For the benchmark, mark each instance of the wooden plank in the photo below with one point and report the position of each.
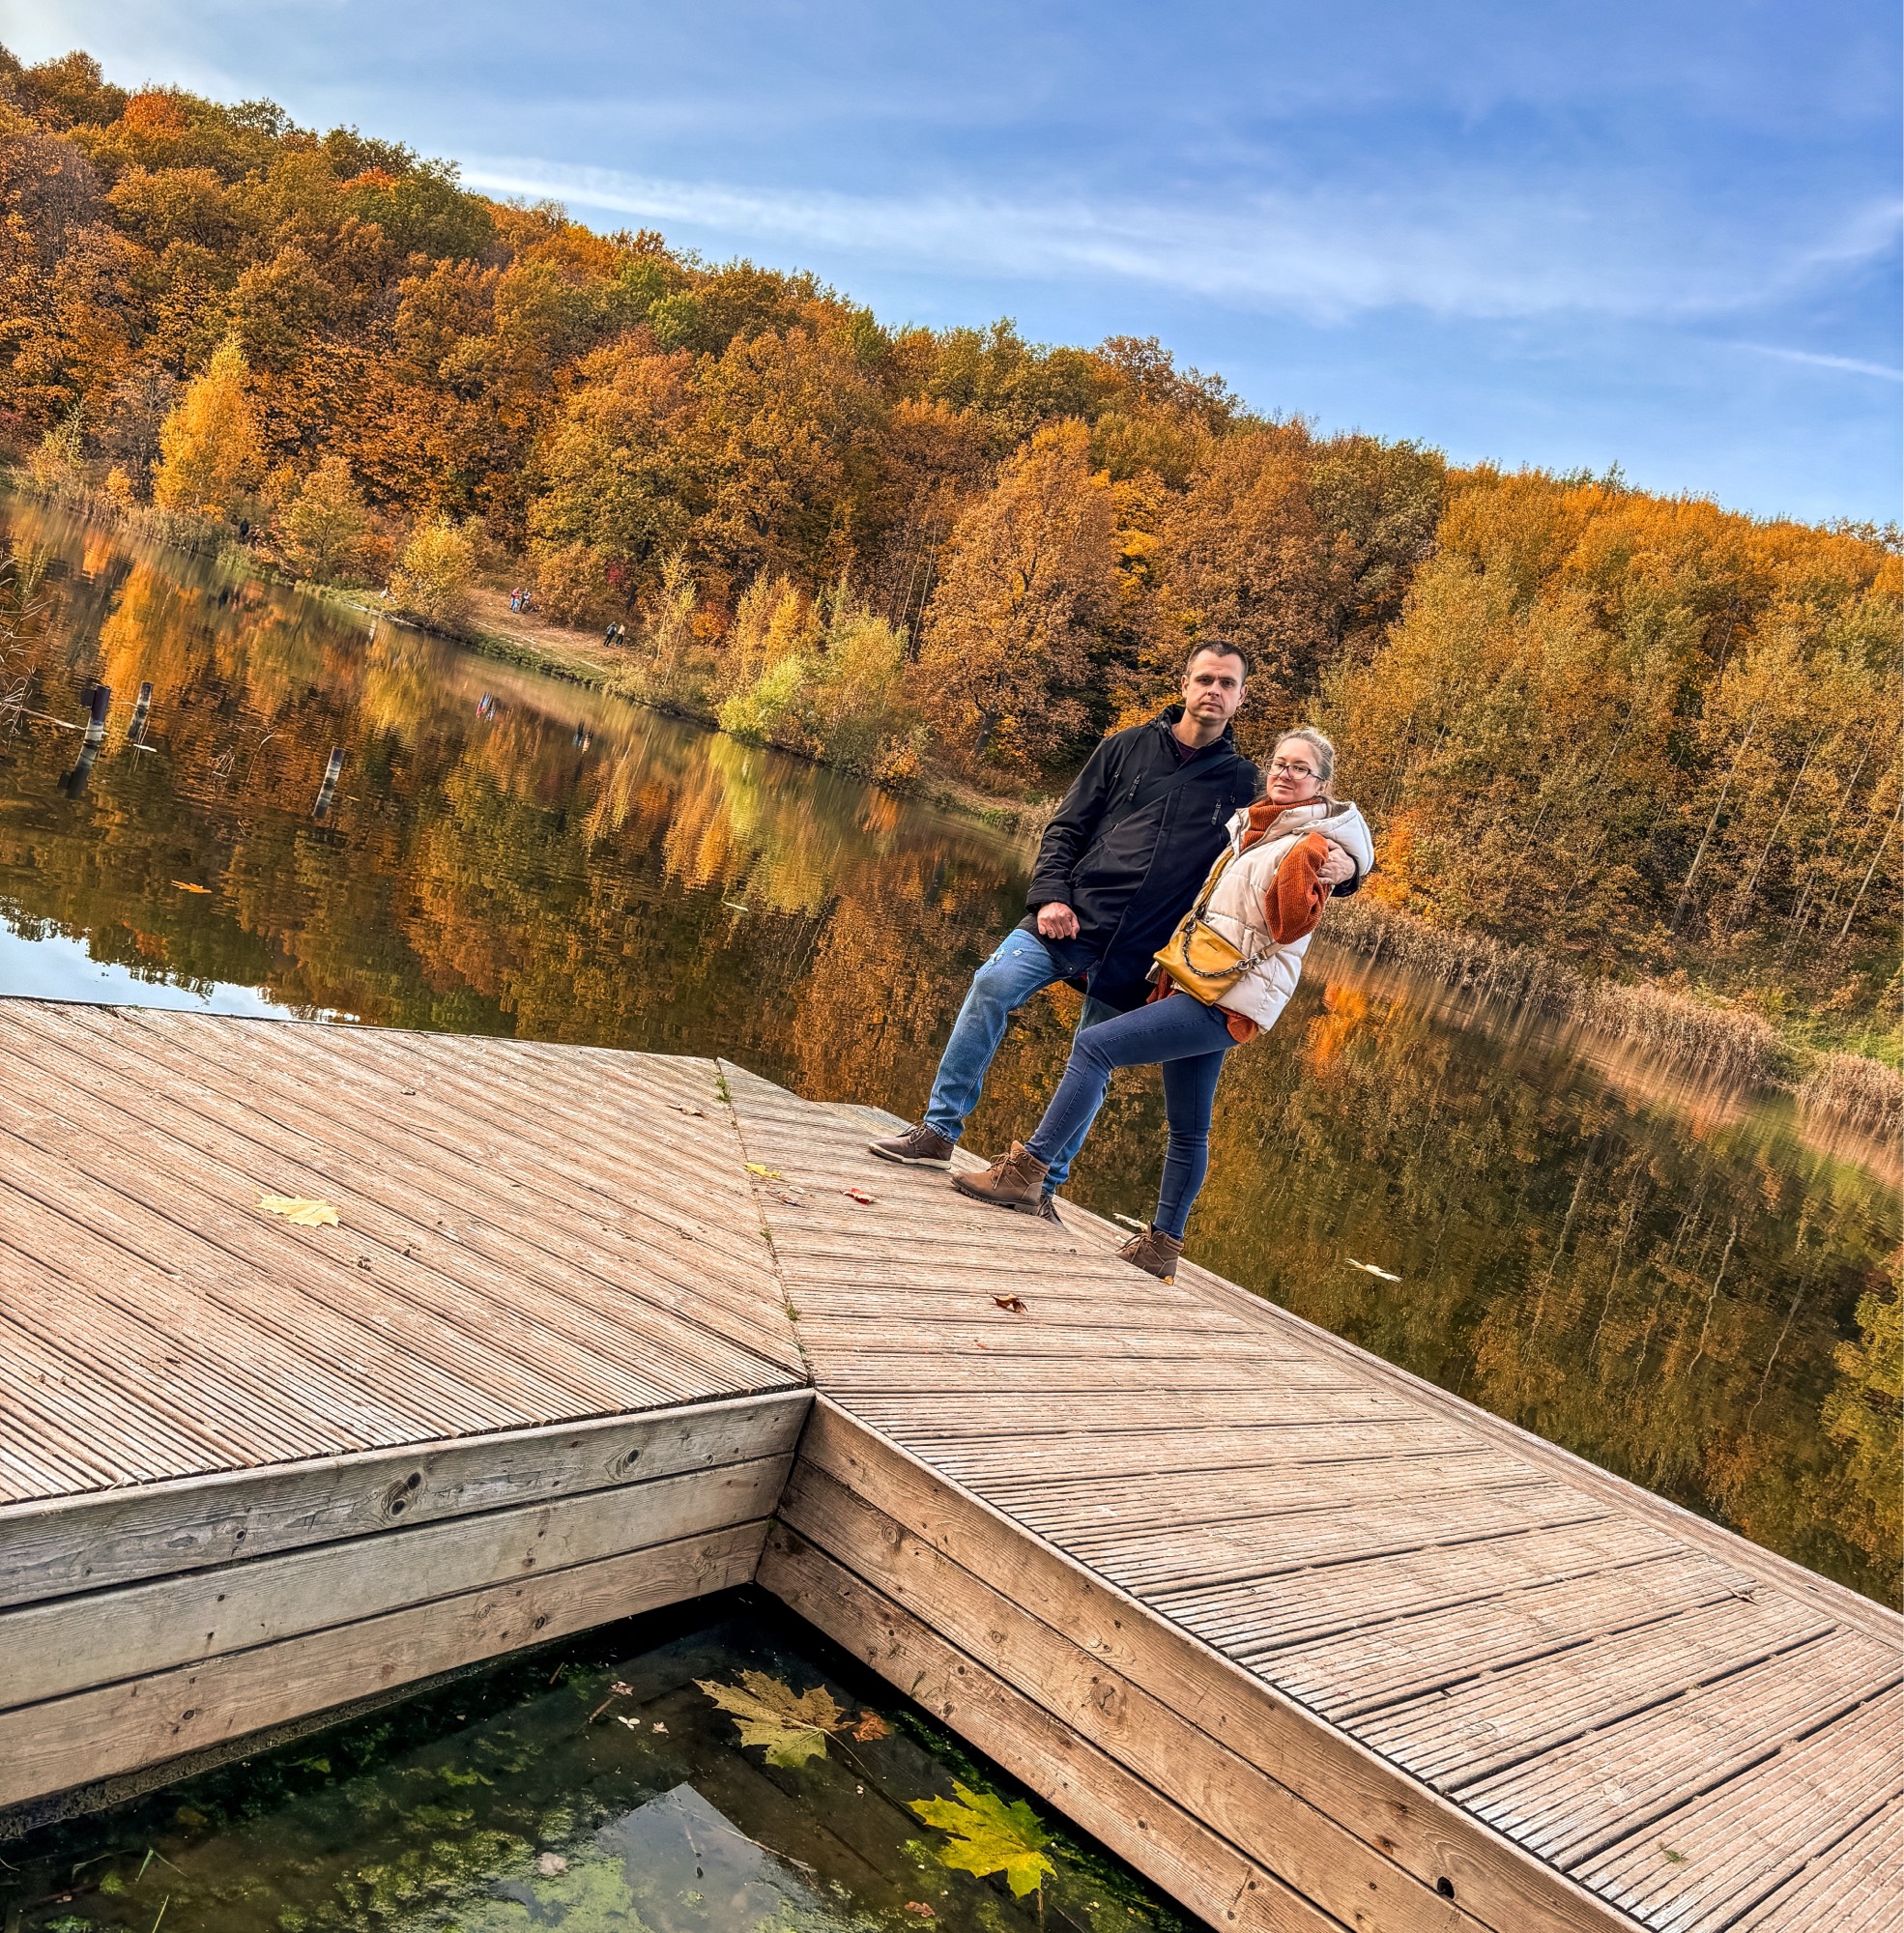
(298, 1089)
(1354, 1675)
(1710, 1858)
(1854, 1886)
(351, 1157)
(136, 1630)
(1557, 1803)
(1385, 1808)
(487, 1163)
(1470, 1724)
(1200, 1553)
(994, 1463)
(443, 1288)
(1033, 1415)
(1254, 1618)
(92, 1735)
(1145, 1827)
(1255, 1812)
(1839, 1600)
(119, 1537)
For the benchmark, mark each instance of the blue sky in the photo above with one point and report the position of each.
(1664, 236)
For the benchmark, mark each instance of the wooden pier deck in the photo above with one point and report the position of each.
(1313, 1644)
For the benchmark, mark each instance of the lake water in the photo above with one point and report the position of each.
(1652, 1271)
(596, 1788)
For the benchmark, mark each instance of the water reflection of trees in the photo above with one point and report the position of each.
(1656, 1283)
(607, 875)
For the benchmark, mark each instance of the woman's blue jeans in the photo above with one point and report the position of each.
(1189, 1041)
(1020, 967)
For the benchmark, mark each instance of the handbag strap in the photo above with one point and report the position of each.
(1216, 872)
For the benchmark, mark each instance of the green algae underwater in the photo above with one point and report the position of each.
(592, 1787)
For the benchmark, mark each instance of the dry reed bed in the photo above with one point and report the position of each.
(1722, 1044)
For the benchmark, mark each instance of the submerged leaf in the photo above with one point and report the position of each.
(871, 1727)
(295, 1208)
(186, 886)
(989, 1836)
(791, 1726)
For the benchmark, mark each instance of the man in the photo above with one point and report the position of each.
(1117, 868)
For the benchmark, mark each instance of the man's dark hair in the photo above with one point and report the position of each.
(1222, 648)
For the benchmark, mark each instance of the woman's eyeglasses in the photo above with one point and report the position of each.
(1295, 767)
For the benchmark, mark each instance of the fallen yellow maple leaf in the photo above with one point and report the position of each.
(295, 1208)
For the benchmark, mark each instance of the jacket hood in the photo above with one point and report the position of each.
(1340, 820)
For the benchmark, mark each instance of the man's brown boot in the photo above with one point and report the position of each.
(1155, 1252)
(917, 1147)
(1016, 1180)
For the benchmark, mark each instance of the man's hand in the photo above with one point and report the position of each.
(1334, 871)
(1057, 921)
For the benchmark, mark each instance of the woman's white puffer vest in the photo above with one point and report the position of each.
(1237, 908)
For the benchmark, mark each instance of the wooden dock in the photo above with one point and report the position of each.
(1310, 1642)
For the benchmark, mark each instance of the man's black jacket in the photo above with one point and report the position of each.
(1128, 849)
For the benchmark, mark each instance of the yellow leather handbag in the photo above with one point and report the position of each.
(1196, 956)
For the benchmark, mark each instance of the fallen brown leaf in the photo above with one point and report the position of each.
(859, 1194)
(921, 1907)
(1015, 1302)
(871, 1727)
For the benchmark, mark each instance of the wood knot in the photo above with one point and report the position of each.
(398, 1495)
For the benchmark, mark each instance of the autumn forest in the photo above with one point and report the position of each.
(1650, 737)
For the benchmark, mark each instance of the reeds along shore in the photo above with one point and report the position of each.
(1723, 1045)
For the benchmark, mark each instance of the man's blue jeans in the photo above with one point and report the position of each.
(1019, 969)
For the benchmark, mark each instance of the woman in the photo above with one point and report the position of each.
(1268, 894)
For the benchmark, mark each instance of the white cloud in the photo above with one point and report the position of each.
(1850, 363)
(1478, 248)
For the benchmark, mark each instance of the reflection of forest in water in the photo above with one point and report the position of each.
(1653, 1274)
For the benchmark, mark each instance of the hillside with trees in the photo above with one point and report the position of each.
(1648, 735)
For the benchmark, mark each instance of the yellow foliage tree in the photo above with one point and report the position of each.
(432, 579)
(57, 466)
(209, 450)
(327, 529)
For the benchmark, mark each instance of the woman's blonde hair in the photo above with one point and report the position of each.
(1325, 752)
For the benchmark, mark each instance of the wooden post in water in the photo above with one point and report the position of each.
(99, 704)
(327, 790)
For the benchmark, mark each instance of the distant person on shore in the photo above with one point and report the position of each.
(1117, 868)
(1224, 977)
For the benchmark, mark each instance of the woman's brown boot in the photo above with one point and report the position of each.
(1016, 1180)
(1155, 1252)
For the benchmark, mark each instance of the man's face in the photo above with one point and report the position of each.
(1213, 687)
